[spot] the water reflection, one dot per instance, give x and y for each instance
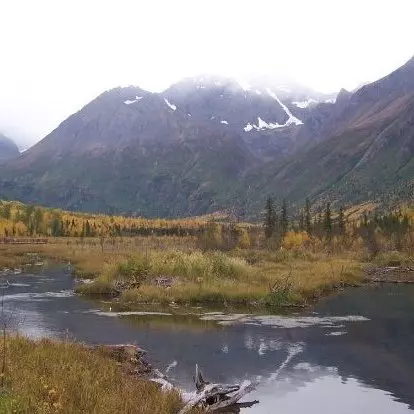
(355, 354)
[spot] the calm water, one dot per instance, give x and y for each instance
(353, 354)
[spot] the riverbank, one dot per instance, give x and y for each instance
(61, 377)
(173, 274)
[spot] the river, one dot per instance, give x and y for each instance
(352, 353)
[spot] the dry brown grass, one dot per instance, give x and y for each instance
(240, 277)
(60, 377)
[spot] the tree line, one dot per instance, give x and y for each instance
(19, 220)
(277, 222)
(393, 229)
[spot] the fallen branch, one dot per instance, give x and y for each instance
(214, 397)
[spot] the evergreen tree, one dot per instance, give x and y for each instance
(341, 221)
(6, 211)
(270, 218)
(28, 219)
(87, 229)
(308, 217)
(38, 220)
(301, 221)
(328, 221)
(284, 219)
(56, 226)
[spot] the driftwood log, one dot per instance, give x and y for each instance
(218, 397)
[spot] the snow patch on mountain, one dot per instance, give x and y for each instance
(331, 100)
(304, 104)
(291, 118)
(224, 122)
(129, 102)
(169, 104)
(261, 124)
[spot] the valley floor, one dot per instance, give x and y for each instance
(51, 377)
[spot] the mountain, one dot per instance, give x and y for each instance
(211, 143)
(182, 152)
(364, 147)
(130, 151)
(8, 149)
(263, 113)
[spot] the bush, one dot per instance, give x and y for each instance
(392, 258)
(135, 269)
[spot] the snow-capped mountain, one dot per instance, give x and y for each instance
(244, 107)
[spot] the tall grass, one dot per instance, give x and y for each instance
(218, 278)
(242, 276)
(55, 377)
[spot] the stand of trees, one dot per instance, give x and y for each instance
(392, 229)
(19, 220)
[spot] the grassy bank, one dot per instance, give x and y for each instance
(216, 278)
(56, 377)
(239, 277)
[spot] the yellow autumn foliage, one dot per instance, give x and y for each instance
(294, 240)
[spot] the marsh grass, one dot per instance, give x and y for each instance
(258, 277)
(223, 279)
(393, 258)
(60, 377)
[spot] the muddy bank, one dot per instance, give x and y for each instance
(389, 274)
(130, 358)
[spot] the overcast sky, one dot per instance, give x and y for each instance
(57, 55)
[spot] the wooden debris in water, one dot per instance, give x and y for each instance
(216, 397)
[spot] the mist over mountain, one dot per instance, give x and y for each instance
(211, 143)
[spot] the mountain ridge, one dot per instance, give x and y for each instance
(204, 145)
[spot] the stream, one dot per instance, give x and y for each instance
(352, 353)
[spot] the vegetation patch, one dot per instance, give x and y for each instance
(59, 377)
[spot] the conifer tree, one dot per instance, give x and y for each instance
(270, 218)
(284, 219)
(341, 221)
(328, 221)
(308, 217)
(301, 221)
(87, 229)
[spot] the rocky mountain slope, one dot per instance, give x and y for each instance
(8, 149)
(209, 143)
(130, 151)
(366, 148)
